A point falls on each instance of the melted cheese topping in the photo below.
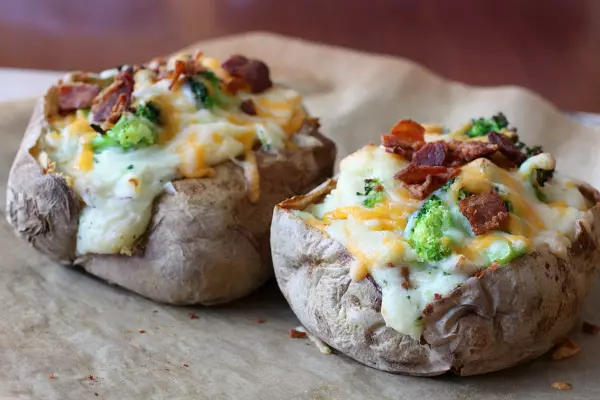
(119, 186)
(377, 237)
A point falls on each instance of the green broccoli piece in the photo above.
(373, 191)
(149, 111)
(206, 88)
(483, 126)
(427, 236)
(503, 252)
(130, 132)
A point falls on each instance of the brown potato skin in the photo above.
(206, 243)
(505, 317)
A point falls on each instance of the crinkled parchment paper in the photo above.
(66, 335)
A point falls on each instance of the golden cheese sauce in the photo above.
(378, 235)
(119, 186)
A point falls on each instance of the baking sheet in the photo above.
(66, 335)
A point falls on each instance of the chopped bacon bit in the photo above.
(193, 316)
(432, 154)
(467, 151)
(437, 296)
(260, 320)
(142, 331)
(254, 72)
(248, 107)
(405, 138)
(74, 97)
(560, 385)
(295, 334)
(494, 265)
(188, 67)
(485, 211)
(416, 174)
(186, 365)
(422, 180)
(118, 109)
(566, 349)
(590, 328)
(507, 147)
(105, 104)
(479, 274)
(52, 377)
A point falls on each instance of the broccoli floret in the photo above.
(206, 88)
(503, 252)
(483, 126)
(373, 191)
(149, 111)
(427, 236)
(129, 132)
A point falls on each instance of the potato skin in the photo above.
(506, 316)
(206, 243)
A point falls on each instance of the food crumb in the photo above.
(590, 328)
(186, 365)
(260, 320)
(154, 311)
(193, 316)
(142, 331)
(560, 385)
(91, 377)
(129, 331)
(96, 394)
(167, 369)
(52, 377)
(567, 348)
(296, 334)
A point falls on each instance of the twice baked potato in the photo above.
(436, 252)
(161, 178)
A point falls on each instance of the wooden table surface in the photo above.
(551, 47)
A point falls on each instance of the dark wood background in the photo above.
(552, 47)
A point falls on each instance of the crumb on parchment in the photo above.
(566, 349)
(302, 332)
(560, 385)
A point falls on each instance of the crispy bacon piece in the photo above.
(507, 147)
(74, 97)
(433, 154)
(248, 107)
(416, 174)
(485, 211)
(422, 180)
(465, 152)
(404, 139)
(188, 67)
(115, 99)
(254, 72)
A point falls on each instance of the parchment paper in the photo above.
(66, 335)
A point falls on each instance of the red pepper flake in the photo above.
(142, 331)
(437, 296)
(260, 320)
(186, 365)
(590, 328)
(91, 377)
(193, 316)
(296, 334)
(52, 377)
